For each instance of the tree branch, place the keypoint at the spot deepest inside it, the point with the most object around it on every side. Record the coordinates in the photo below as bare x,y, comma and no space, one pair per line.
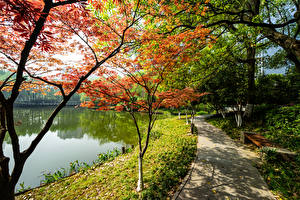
6,80
61,3
59,86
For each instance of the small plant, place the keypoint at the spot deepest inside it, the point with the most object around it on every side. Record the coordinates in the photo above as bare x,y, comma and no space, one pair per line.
59,174
155,135
76,167
23,188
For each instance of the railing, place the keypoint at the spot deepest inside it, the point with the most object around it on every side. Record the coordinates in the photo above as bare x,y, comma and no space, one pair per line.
32,103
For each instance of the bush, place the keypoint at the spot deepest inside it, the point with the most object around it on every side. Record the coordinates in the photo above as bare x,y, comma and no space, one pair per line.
283,125
277,89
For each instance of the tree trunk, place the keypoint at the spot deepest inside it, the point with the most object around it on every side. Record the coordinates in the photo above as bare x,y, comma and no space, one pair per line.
179,117
192,121
140,185
251,79
249,110
6,191
223,113
238,119
6,188
289,44
186,118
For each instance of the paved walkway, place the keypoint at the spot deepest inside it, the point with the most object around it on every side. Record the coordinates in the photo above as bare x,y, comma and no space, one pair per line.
223,169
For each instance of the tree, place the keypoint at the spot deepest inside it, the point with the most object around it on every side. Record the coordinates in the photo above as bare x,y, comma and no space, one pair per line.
277,20
131,81
33,33
186,97
277,89
136,91
228,88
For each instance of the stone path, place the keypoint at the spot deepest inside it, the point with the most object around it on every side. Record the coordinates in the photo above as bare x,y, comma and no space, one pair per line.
223,169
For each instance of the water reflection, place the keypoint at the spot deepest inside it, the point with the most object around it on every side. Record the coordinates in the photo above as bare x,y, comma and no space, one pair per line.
76,134
75,123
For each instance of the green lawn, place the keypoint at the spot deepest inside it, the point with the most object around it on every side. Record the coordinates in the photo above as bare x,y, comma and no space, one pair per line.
170,153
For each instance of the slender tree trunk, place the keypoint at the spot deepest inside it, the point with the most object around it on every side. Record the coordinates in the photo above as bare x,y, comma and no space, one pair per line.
251,81
192,122
238,114
238,118
140,185
222,111
186,118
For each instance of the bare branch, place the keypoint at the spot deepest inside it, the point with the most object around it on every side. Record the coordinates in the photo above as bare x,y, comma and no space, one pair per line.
9,57
6,80
85,41
59,86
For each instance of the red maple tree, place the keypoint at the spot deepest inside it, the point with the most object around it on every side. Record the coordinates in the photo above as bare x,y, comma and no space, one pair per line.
131,80
36,35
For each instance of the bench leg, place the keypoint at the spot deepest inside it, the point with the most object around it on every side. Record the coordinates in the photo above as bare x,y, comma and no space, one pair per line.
244,139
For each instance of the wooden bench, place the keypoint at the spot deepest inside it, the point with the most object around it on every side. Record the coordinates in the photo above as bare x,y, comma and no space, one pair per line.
265,145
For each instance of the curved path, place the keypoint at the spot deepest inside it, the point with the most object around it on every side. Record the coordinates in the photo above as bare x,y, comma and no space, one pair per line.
222,169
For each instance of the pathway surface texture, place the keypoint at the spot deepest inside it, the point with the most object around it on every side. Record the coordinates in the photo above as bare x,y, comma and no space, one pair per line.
223,169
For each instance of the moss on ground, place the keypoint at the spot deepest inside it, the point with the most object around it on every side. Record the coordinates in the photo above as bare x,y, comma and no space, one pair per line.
167,160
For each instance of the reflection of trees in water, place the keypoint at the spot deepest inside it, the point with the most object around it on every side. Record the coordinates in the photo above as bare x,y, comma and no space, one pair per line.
110,126
67,123
29,121
74,123
66,134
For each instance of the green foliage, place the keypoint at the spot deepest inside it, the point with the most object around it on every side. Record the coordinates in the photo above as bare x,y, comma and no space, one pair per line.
51,177
277,89
23,188
227,83
76,167
170,152
282,176
31,98
278,124
283,125
228,125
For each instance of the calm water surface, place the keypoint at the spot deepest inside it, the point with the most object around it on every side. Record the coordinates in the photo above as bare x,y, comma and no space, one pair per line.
76,134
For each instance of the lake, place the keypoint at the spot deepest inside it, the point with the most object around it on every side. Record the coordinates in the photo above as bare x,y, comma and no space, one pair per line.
76,134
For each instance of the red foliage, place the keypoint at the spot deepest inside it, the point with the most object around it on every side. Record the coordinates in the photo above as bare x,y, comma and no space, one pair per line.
178,98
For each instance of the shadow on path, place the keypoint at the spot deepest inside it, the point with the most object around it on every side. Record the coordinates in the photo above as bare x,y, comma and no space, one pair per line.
222,169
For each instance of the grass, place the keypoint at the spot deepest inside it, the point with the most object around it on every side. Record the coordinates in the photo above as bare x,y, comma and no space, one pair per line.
167,160
281,126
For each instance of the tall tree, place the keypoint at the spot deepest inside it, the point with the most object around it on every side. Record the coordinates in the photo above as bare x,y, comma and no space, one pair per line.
134,77
33,34
277,20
